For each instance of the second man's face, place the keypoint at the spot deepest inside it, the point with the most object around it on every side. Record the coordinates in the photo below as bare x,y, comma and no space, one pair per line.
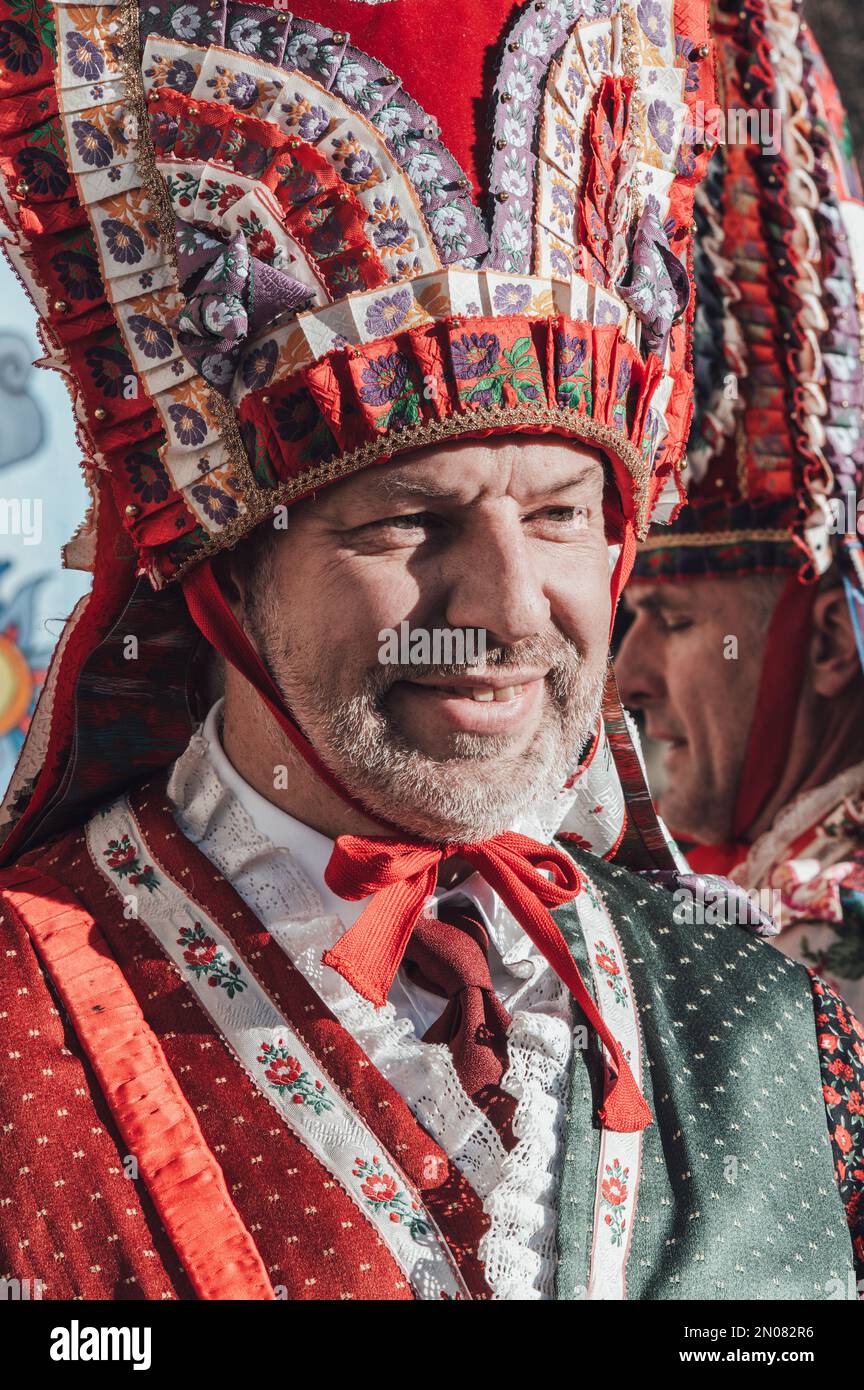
692,662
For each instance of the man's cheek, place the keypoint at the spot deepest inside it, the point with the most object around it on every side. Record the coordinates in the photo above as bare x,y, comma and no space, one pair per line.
583,614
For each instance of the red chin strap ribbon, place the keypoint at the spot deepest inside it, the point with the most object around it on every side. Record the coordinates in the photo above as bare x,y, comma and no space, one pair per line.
401,876
212,615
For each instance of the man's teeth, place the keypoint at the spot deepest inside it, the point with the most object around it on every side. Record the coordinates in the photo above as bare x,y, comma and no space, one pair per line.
485,693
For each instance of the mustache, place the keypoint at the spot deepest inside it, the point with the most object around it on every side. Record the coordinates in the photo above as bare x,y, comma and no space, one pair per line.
557,653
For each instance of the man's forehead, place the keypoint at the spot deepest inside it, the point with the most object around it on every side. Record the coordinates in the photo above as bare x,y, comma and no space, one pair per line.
454,471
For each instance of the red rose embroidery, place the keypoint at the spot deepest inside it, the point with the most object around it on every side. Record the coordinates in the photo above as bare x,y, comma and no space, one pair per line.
284,1071
379,1187
614,1191
202,952
842,1138
607,963
229,195
262,245
121,857
841,1069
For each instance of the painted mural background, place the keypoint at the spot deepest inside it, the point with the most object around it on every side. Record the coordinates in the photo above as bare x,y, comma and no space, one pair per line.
42,501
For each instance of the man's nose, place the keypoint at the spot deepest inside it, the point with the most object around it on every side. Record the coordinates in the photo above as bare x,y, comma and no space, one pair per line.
495,582
638,668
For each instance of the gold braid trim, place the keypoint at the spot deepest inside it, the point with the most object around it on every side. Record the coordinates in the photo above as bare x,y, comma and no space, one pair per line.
706,538
261,502
630,50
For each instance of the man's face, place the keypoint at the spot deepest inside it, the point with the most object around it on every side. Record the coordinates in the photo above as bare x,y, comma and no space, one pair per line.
692,661
504,536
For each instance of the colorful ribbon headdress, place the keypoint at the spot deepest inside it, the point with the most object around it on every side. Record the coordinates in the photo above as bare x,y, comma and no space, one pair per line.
776,454
777,443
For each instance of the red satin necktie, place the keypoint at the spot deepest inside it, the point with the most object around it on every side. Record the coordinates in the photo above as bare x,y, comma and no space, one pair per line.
402,877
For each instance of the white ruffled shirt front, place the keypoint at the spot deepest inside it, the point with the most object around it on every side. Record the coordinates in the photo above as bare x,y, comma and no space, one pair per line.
276,864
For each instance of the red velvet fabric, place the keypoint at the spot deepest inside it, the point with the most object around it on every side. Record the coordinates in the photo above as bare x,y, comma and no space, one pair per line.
158,1126
441,51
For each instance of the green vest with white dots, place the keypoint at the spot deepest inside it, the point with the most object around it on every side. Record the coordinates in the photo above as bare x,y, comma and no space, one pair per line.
731,1192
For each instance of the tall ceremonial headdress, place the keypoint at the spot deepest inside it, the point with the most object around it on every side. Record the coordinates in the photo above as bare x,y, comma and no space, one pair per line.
776,454
271,249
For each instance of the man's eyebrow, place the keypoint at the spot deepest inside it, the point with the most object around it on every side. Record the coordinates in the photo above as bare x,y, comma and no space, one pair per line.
655,601
408,484
412,486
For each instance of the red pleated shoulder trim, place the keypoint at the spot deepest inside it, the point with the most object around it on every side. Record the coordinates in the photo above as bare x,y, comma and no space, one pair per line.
181,1174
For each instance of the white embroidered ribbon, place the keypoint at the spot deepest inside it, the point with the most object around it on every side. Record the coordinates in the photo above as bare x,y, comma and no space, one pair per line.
620,1161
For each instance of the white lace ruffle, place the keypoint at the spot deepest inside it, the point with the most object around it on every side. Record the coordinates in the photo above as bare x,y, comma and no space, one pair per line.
518,1250
518,1190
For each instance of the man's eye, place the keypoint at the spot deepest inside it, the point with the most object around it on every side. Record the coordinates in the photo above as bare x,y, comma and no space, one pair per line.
563,516
676,624
408,521
563,521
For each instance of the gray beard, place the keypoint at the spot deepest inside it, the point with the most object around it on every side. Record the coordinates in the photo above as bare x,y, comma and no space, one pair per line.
481,788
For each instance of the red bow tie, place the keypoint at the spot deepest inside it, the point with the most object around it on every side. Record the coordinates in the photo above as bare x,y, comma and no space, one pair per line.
402,877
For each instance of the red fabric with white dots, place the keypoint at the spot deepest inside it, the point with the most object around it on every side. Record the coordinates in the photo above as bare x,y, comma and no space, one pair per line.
69,1215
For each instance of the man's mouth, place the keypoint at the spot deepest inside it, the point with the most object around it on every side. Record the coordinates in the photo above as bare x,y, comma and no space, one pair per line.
483,694
500,702
674,742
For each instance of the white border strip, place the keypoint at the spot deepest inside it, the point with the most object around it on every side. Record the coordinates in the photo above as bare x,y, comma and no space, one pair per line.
620,1162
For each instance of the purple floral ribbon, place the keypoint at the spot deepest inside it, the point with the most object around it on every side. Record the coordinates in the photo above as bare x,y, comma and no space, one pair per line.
230,295
656,286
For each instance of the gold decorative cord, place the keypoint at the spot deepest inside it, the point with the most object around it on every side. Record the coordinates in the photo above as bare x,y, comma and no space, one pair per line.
136,101
705,538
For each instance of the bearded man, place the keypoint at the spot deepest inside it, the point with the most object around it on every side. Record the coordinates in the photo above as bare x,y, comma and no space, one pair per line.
321,1004
746,652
